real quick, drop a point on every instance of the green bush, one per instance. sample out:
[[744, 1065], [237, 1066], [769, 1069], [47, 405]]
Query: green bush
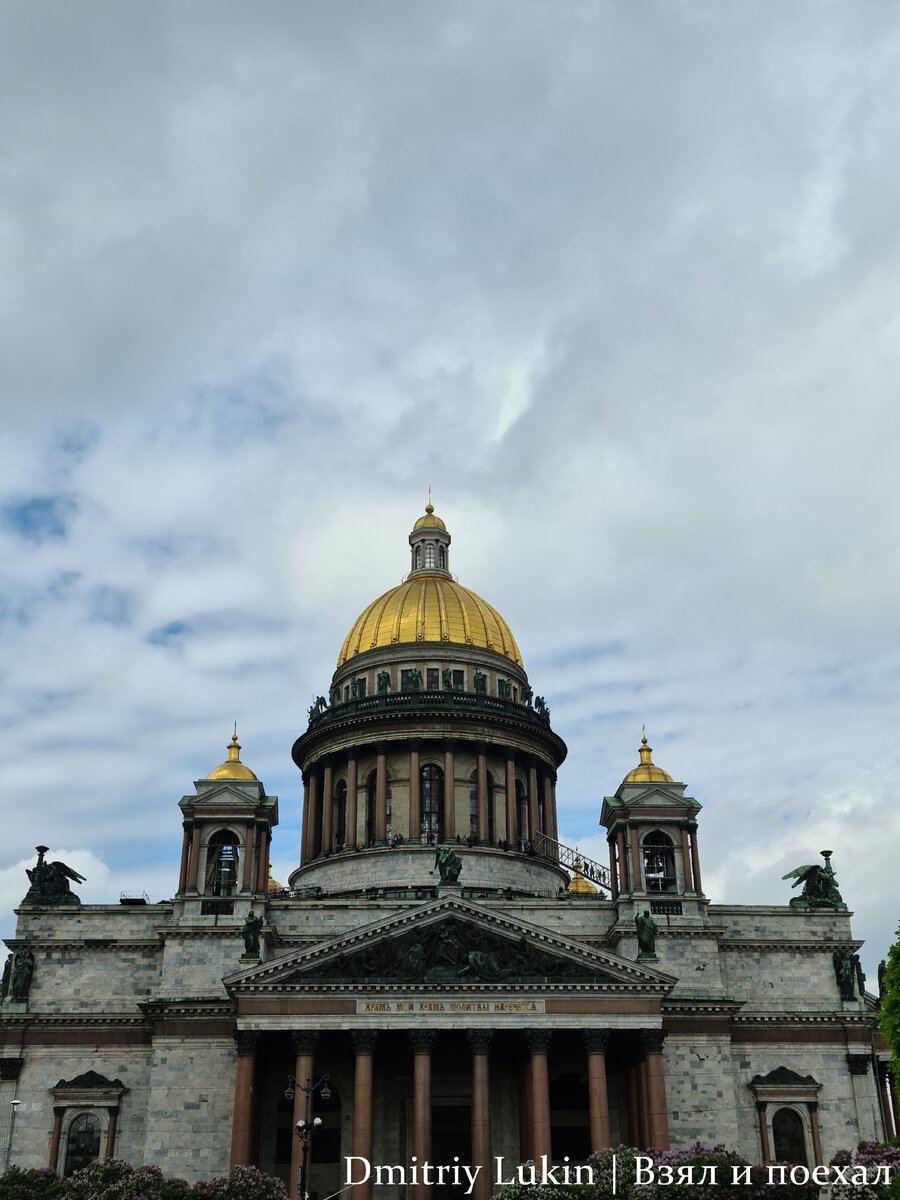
[[29, 1184]]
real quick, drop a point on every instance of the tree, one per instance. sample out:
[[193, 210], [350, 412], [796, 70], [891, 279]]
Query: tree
[[890, 1005]]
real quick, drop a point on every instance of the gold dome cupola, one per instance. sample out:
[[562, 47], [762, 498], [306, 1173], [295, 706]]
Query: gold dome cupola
[[429, 545]]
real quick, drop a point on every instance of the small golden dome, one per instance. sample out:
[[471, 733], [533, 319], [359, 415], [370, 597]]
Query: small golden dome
[[232, 768], [274, 885], [429, 520], [578, 885], [429, 608], [647, 771]]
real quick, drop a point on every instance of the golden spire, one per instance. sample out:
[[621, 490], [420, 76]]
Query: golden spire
[[647, 771], [232, 768]]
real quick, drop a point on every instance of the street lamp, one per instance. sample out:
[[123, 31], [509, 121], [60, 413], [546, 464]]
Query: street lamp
[[306, 1126]]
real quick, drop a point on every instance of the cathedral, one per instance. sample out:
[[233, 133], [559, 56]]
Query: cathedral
[[440, 981]]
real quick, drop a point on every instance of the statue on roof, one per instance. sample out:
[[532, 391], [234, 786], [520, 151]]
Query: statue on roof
[[448, 863], [647, 929], [820, 888], [252, 925], [50, 882]]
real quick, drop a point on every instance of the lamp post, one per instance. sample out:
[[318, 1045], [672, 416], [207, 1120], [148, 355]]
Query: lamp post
[[306, 1126]]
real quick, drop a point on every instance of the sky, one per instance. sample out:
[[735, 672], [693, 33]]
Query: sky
[[619, 282]]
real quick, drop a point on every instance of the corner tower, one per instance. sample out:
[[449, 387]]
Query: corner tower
[[431, 734]]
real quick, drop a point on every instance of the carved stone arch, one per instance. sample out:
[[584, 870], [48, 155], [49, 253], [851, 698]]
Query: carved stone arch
[[220, 855]]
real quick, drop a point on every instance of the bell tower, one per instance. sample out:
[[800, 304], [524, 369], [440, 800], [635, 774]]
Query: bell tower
[[652, 835]]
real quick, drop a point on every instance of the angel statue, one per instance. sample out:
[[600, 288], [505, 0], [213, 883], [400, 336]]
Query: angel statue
[[50, 882], [820, 888]]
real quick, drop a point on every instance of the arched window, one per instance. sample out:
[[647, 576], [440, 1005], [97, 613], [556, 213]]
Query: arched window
[[82, 1143], [340, 815], [442, 558], [429, 554], [418, 557], [371, 788], [788, 1137], [659, 863], [222, 863], [431, 788], [473, 807], [521, 812]]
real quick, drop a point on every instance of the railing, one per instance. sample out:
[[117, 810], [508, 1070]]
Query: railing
[[392, 701], [550, 848]]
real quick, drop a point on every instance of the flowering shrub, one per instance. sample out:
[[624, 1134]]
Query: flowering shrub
[[115, 1180], [28, 1184], [697, 1156], [870, 1155]]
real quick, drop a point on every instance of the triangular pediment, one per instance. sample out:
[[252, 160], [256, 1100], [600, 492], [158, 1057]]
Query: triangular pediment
[[449, 942]]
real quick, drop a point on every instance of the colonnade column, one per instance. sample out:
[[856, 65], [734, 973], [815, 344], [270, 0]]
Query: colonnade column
[[890, 1130], [187, 826], [328, 808], [55, 1135], [314, 827], [480, 1044], [264, 837], [548, 809], [350, 837], [623, 865], [538, 1042], [415, 791], [304, 822], [194, 866], [892, 1089], [450, 829], [304, 1069], [595, 1043], [247, 881], [635, 860], [816, 1136], [655, 1099], [686, 860], [381, 793], [364, 1048], [534, 825], [481, 791], [554, 827], [112, 1122], [422, 1041], [510, 798], [244, 1098], [613, 869], [695, 861]]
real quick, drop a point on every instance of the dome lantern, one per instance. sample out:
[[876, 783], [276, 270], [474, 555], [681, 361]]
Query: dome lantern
[[647, 771], [429, 545]]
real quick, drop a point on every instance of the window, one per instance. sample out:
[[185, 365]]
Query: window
[[432, 678], [418, 558], [442, 558], [459, 681], [432, 794], [410, 680], [788, 1137], [222, 863], [82, 1143], [429, 554], [473, 807], [659, 863], [361, 687]]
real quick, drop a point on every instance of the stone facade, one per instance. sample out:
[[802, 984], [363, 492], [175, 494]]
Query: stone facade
[[500, 1012]]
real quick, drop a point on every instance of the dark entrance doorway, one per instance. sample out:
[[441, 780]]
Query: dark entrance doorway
[[451, 1141]]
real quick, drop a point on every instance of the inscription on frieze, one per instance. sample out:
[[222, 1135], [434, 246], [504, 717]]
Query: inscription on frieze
[[477, 1008]]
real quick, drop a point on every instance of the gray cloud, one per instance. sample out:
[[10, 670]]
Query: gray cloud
[[618, 282]]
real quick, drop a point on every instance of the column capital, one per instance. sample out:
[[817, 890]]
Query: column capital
[[481, 747], [351, 752], [364, 1040], [596, 1040], [422, 1040], [538, 1040], [651, 1040], [381, 748], [187, 826], [246, 1041], [305, 1041], [414, 744], [480, 1040], [447, 744], [859, 1063], [510, 754], [10, 1069]]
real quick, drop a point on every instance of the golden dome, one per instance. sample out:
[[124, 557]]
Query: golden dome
[[430, 608], [429, 520], [647, 771], [232, 768], [274, 885], [578, 885]]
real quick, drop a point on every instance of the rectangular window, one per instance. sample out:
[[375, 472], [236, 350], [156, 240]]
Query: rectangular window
[[361, 688], [459, 680], [433, 678], [406, 681]]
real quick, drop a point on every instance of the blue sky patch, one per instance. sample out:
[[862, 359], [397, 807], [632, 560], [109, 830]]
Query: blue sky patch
[[38, 518]]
